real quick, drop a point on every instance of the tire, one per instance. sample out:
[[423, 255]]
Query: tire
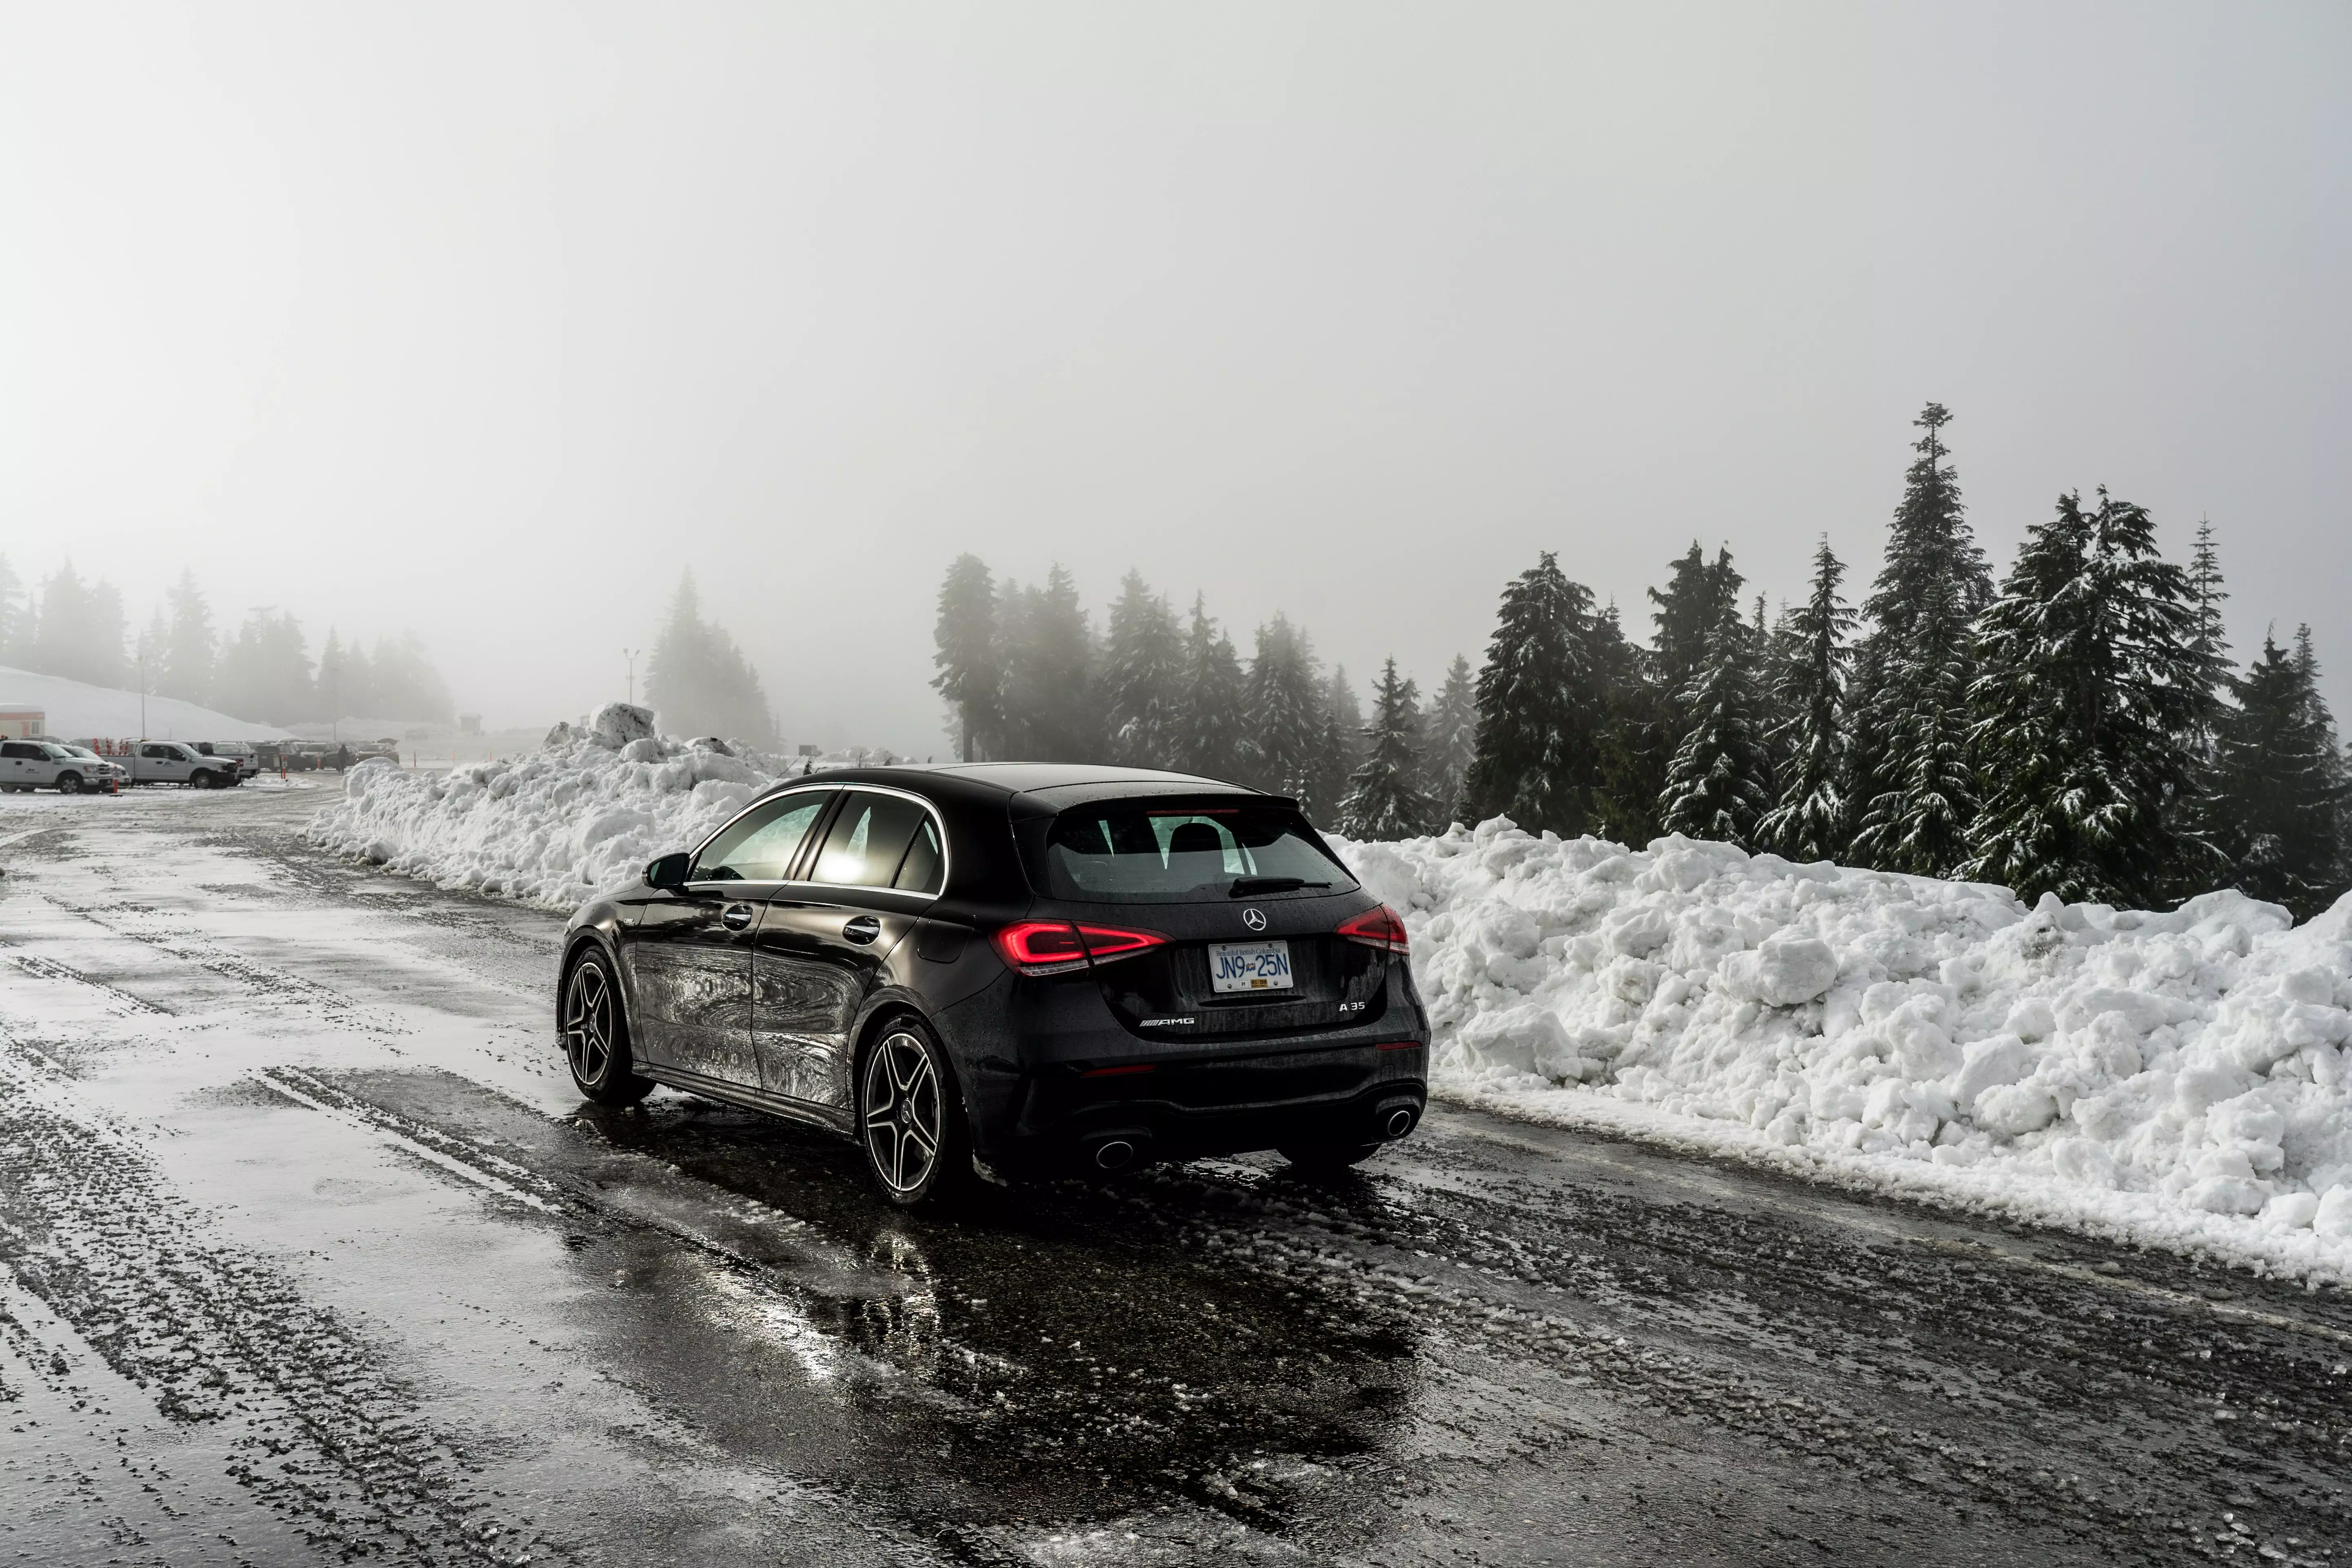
[[68, 784], [910, 1116], [1324, 1159], [595, 1024]]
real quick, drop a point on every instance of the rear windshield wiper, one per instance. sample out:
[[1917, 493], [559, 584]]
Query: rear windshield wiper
[[1245, 886]]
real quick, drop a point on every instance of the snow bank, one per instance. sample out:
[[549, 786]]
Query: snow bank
[[584, 813], [2178, 1077]]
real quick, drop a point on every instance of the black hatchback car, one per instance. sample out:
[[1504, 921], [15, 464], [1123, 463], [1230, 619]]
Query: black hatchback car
[[1010, 969]]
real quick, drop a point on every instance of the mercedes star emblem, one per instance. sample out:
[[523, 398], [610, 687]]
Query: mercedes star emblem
[[1253, 918]]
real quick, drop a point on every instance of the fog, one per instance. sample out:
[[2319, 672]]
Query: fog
[[488, 320]]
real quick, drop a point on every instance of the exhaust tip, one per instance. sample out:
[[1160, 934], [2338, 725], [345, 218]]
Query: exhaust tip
[[1400, 1123], [1114, 1155]]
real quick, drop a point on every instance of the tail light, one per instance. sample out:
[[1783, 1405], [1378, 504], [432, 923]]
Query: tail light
[[1056, 947], [1378, 928]]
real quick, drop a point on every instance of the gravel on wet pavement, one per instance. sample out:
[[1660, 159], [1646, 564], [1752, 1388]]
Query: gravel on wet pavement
[[308, 1253]]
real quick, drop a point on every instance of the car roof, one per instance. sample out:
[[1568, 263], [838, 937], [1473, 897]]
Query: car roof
[[1051, 784]]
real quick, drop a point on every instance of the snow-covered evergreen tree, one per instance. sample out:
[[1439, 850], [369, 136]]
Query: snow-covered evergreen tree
[[1342, 748], [1719, 784], [1209, 724], [1913, 789], [1283, 739], [2281, 784], [2086, 706], [1142, 678], [970, 658], [1384, 798], [1538, 709], [1810, 821], [1449, 739]]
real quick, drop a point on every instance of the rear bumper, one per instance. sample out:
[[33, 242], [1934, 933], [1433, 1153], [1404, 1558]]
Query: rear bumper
[[1225, 1106]]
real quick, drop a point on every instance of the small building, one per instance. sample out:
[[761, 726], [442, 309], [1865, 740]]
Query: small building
[[470, 723], [23, 723]]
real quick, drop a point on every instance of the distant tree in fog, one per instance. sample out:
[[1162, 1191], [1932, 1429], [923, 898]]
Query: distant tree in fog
[[1142, 678], [1284, 742], [76, 630], [970, 661], [1449, 738], [403, 684], [1050, 699], [181, 665], [264, 671], [1210, 725], [699, 681], [13, 617]]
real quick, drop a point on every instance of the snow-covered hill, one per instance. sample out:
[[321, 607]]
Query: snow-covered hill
[[2180, 1077], [80, 712]]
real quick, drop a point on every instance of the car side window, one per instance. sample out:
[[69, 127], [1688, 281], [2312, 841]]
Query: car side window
[[760, 845], [868, 840], [920, 872], [18, 750]]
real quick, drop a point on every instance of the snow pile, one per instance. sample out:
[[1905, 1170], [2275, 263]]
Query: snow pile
[[584, 813], [2181, 1077]]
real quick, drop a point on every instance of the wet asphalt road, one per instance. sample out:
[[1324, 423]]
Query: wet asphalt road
[[309, 1255]]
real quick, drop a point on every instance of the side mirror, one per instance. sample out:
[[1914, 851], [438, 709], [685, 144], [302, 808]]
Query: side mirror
[[669, 871]]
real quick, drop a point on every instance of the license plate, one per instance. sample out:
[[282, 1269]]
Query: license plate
[[1249, 965]]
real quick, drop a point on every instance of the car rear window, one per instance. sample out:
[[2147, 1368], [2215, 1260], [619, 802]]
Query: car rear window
[[1143, 851]]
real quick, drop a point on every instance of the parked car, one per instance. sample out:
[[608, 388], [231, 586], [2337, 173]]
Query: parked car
[[46, 764], [99, 772], [1008, 968], [177, 762], [234, 751], [371, 751]]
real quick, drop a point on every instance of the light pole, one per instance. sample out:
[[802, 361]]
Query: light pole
[[142, 697], [631, 654]]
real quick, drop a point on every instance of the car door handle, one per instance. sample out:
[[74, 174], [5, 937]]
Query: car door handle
[[735, 917], [862, 930]]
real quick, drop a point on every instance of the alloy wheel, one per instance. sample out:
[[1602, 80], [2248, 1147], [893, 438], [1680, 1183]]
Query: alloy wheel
[[588, 1022], [902, 1113]]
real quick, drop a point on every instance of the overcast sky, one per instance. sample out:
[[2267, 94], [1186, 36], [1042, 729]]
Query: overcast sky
[[485, 320]]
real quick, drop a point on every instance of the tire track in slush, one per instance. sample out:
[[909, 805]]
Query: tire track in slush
[[324, 1432]]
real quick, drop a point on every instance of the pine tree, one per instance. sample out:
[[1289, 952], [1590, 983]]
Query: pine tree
[[1538, 760], [265, 671], [698, 681], [339, 691], [1449, 739], [1384, 798], [2282, 787], [2086, 708], [1283, 700], [1913, 788], [1720, 782], [77, 631], [1341, 747], [971, 663], [1142, 678], [1810, 821], [403, 683], [1209, 719], [12, 617], [1050, 699], [182, 666]]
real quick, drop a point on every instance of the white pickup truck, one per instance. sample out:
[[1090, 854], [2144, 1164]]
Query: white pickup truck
[[45, 764], [174, 762]]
